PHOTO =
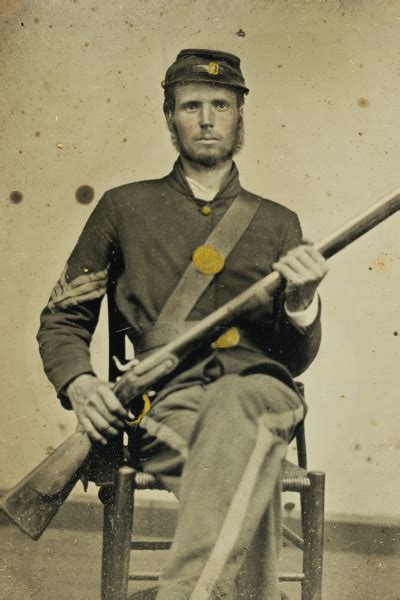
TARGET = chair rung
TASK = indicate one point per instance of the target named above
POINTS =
(295, 484)
(147, 481)
(293, 537)
(144, 576)
(291, 577)
(155, 576)
(151, 545)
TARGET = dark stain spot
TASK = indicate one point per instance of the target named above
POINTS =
(20, 151)
(16, 197)
(283, 125)
(369, 268)
(62, 427)
(22, 25)
(84, 194)
(94, 9)
(241, 33)
(86, 44)
(357, 447)
(363, 102)
(329, 194)
(108, 99)
(368, 459)
(125, 140)
(50, 450)
(119, 72)
(36, 20)
(289, 506)
(37, 133)
(50, 26)
(361, 65)
(395, 333)
(280, 66)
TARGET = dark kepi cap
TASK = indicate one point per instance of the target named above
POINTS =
(206, 66)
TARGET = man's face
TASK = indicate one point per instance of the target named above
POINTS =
(206, 124)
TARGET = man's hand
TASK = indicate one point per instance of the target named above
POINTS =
(303, 268)
(98, 409)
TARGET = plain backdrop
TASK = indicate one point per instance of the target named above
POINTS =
(81, 104)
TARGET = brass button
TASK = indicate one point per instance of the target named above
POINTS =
(228, 339)
(205, 210)
(207, 260)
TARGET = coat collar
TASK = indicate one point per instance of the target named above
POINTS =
(230, 186)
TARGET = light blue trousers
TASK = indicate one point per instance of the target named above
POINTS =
(219, 447)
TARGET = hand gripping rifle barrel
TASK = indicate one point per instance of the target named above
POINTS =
(33, 502)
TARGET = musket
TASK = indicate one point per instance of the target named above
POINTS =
(33, 502)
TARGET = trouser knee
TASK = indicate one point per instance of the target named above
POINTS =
(238, 401)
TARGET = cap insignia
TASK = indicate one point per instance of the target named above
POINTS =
(213, 68)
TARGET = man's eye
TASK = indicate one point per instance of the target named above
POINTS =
(191, 106)
(221, 105)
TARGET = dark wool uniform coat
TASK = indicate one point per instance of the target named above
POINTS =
(146, 232)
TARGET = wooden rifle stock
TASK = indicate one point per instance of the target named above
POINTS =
(33, 502)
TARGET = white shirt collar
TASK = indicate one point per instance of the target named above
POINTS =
(201, 191)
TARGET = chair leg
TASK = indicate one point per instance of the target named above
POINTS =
(118, 515)
(313, 537)
(108, 518)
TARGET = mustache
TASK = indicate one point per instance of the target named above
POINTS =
(238, 138)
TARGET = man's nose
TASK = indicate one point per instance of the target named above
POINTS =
(206, 116)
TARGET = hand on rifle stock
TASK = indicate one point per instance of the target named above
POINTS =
(98, 409)
(303, 268)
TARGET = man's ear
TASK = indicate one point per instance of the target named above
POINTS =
(169, 116)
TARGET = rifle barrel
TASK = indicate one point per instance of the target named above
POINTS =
(33, 502)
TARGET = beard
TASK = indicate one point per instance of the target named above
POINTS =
(205, 158)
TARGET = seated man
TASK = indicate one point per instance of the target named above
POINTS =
(170, 251)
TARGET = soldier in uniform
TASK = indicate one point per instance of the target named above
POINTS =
(168, 252)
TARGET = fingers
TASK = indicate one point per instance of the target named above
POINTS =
(98, 409)
(114, 416)
(104, 404)
(101, 425)
(302, 264)
(96, 425)
(93, 434)
(112, 403)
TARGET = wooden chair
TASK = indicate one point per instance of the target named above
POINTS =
(117, 495)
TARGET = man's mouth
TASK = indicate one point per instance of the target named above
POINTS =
(208, 139)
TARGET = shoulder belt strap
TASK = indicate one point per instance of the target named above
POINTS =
(223, 239)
